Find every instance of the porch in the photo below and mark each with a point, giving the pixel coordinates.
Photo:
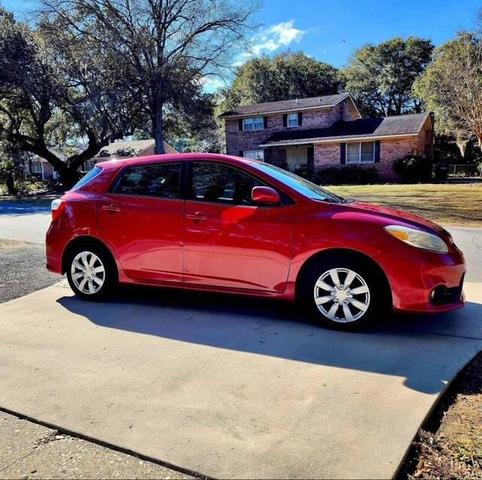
(295, 158)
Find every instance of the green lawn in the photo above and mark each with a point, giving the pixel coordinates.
(452, 204)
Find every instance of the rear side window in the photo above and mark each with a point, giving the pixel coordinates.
(152, 180)
(87, 178)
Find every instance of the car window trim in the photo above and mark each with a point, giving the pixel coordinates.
(121, 172)
(189, 183)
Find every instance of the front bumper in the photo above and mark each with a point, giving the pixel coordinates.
(433, 283)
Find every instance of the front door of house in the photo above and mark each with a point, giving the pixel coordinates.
(297, 158)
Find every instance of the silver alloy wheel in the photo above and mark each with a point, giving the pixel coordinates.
(342, 295)
(87, 272)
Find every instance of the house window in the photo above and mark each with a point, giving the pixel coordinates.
(360, 152)
(254, 154)
(293, 120)
(251, 124)
(36, 167)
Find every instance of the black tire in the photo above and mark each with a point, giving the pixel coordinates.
(103, 259)
(377, 300)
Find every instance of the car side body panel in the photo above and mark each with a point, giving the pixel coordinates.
(145, 234)
(255, 250)
(411, 272)
(238, 246)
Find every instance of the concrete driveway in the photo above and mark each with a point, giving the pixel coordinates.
(231, 387)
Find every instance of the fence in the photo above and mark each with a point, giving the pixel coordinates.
(463, 170)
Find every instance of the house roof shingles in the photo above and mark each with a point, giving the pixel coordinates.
(364, 127)
(136, 147)
(286, 105)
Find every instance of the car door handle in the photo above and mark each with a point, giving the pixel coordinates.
(111, 208)
(196, 216)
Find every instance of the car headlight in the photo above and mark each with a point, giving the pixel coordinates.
(418, 238)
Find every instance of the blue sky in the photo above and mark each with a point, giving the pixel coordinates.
(331, 30)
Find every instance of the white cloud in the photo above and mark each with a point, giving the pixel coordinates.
(286, 33)
(211, 84)
(271, 39)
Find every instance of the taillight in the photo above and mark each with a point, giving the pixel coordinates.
(57, 207)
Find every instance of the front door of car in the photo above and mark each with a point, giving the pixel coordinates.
(141, 219)
(228, 241)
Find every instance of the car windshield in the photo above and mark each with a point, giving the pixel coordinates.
(299, 184)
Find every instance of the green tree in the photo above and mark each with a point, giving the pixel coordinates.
(11, 167)
(283, 77)
(452, 88)
(163, 47)
(52, 89)
(380, 77)
(194, 129)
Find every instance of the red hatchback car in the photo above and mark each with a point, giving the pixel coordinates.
(228, 224)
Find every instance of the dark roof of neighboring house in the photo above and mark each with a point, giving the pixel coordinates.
(364, 127)
(287, 105)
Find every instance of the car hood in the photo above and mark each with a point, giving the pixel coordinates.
(397, 215)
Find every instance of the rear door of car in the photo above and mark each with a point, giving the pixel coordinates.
(141, 218)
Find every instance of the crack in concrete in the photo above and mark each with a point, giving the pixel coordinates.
(51, 437)
(11, 464)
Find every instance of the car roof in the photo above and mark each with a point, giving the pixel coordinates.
(170, 157)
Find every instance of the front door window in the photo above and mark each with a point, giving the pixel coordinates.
(212, 182)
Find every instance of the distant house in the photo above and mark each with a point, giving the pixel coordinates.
(119, 149)
(40, 168)
(126, 149)
(314, 133)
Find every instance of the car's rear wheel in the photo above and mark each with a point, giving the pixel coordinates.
(90, 272)
(344, 293)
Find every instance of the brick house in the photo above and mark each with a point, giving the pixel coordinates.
(314, 133)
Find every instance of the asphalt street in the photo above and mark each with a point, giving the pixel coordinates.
(24, 220)
(22, 269)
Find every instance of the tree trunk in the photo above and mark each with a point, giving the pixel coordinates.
(462, 145)
(159, 138)
(67, 170)
(69, 176)
(158, 129)
(10, 182)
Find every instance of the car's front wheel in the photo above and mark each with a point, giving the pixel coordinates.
(344, 293)
(90, 272)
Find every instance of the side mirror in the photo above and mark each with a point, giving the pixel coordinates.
(265, 196)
